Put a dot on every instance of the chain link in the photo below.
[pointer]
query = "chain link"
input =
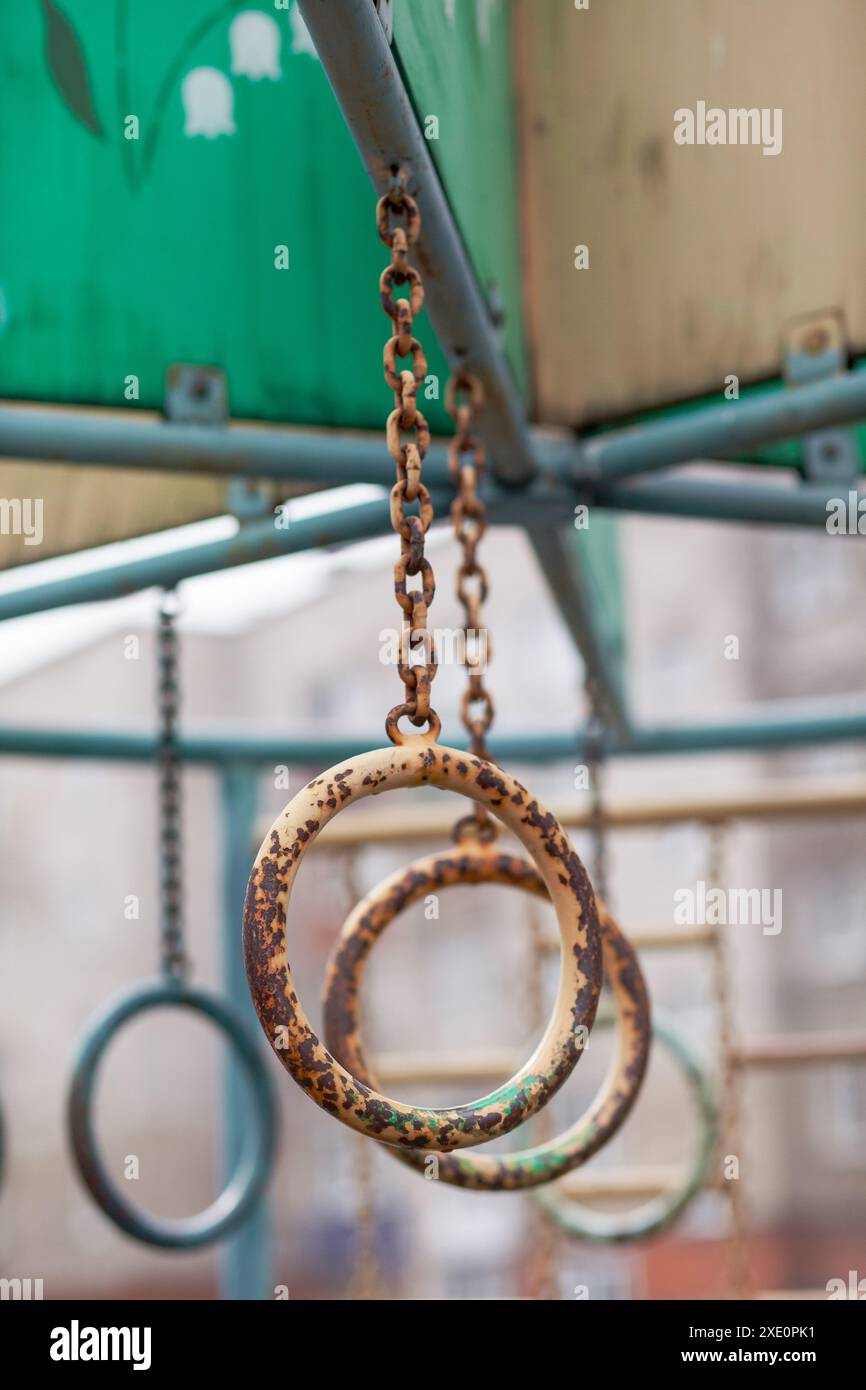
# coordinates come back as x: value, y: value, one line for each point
x: 173, y: 958
x: 595, y: 750
x: 464, y: 397
x: 408, y: 454
x: 730, y: 1127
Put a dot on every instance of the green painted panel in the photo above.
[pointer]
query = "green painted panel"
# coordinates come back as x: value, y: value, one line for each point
x: 456, y: 61
x: 119, y: 257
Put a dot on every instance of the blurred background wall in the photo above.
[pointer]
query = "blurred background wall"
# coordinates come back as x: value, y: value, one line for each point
x: 292, y: 645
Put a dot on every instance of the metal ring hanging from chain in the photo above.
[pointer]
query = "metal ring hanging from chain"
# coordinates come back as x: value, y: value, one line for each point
x: 419, y: 761
x: 251, y: 1170
x: 416, y: 760
x: 475, y: 864
x: 253, y: 1164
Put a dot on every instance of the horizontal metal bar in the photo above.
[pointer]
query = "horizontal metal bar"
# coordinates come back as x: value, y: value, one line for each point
x: 495, y: 1064
x: 801, y: 1049
x: 253, y: 541
x: 640, y: 1183
x: 263, y: 540
x: 652, y: 939
x: 230, y: 746
x: 706, y: 500
x: 424, y: 1068
x: 141, y: 439
x: 354, y: 52
x: 221, y: 746
x: 137, y: 439
x: 788, y: 800
x: 774, y: 731
x: 728, y: 428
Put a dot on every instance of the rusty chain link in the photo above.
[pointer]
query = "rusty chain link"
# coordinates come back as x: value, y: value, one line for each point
x: 464, y: 397
x: 173, y: 957
x: 408, y: 454
x: 595, y: 750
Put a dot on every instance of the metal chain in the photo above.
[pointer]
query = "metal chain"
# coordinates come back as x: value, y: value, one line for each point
x: 173, y: 958
x: 730, y: 1129
x: 595, y: 750
x: 464, y: 397
x: 406, y: 419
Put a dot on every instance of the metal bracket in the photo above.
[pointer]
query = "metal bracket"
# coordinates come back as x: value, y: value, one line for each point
x: 385, y: 11
x: 249, y: 498
x: 196, y: 395
x: 814, y: 348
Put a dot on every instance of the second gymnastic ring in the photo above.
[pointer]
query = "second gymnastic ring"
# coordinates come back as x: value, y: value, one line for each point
x: 479, y: 863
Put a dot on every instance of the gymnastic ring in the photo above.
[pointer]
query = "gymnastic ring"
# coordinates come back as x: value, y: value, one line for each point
x: 253, y: 1165
x: 479, y: 863
x: 611, y: 1228
x: 415, y: 762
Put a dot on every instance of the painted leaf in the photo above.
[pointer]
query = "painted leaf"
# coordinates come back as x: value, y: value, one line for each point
x: 68, y: 67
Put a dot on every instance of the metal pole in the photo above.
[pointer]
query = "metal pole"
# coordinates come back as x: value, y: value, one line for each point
x: 218, y: 747
x: 789, y: 800
x: 801, y: 1049
x: 139, y: 439
x: 142, y: 439
x: 264, y: 540
x: 705, y: 499
x: 256, y: 540
x: 724, y: 429
x: 367, y: 83
x: 245, y: 1258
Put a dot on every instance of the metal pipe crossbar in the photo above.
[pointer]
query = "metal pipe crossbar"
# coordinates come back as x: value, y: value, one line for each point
x: 731, y: 427
x: 225, y: 746
x: 801, y: 1049
x: 788, y: 800
x: 493, y: 1064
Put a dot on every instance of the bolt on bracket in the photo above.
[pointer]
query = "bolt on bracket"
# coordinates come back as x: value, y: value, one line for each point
x: 815, y: 347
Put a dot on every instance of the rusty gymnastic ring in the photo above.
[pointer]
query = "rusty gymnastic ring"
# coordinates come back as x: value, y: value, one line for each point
x: 484, y: 863
x: 414, y: 762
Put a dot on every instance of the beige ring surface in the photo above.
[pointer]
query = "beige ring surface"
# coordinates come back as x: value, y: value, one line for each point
x: 416, y: 762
